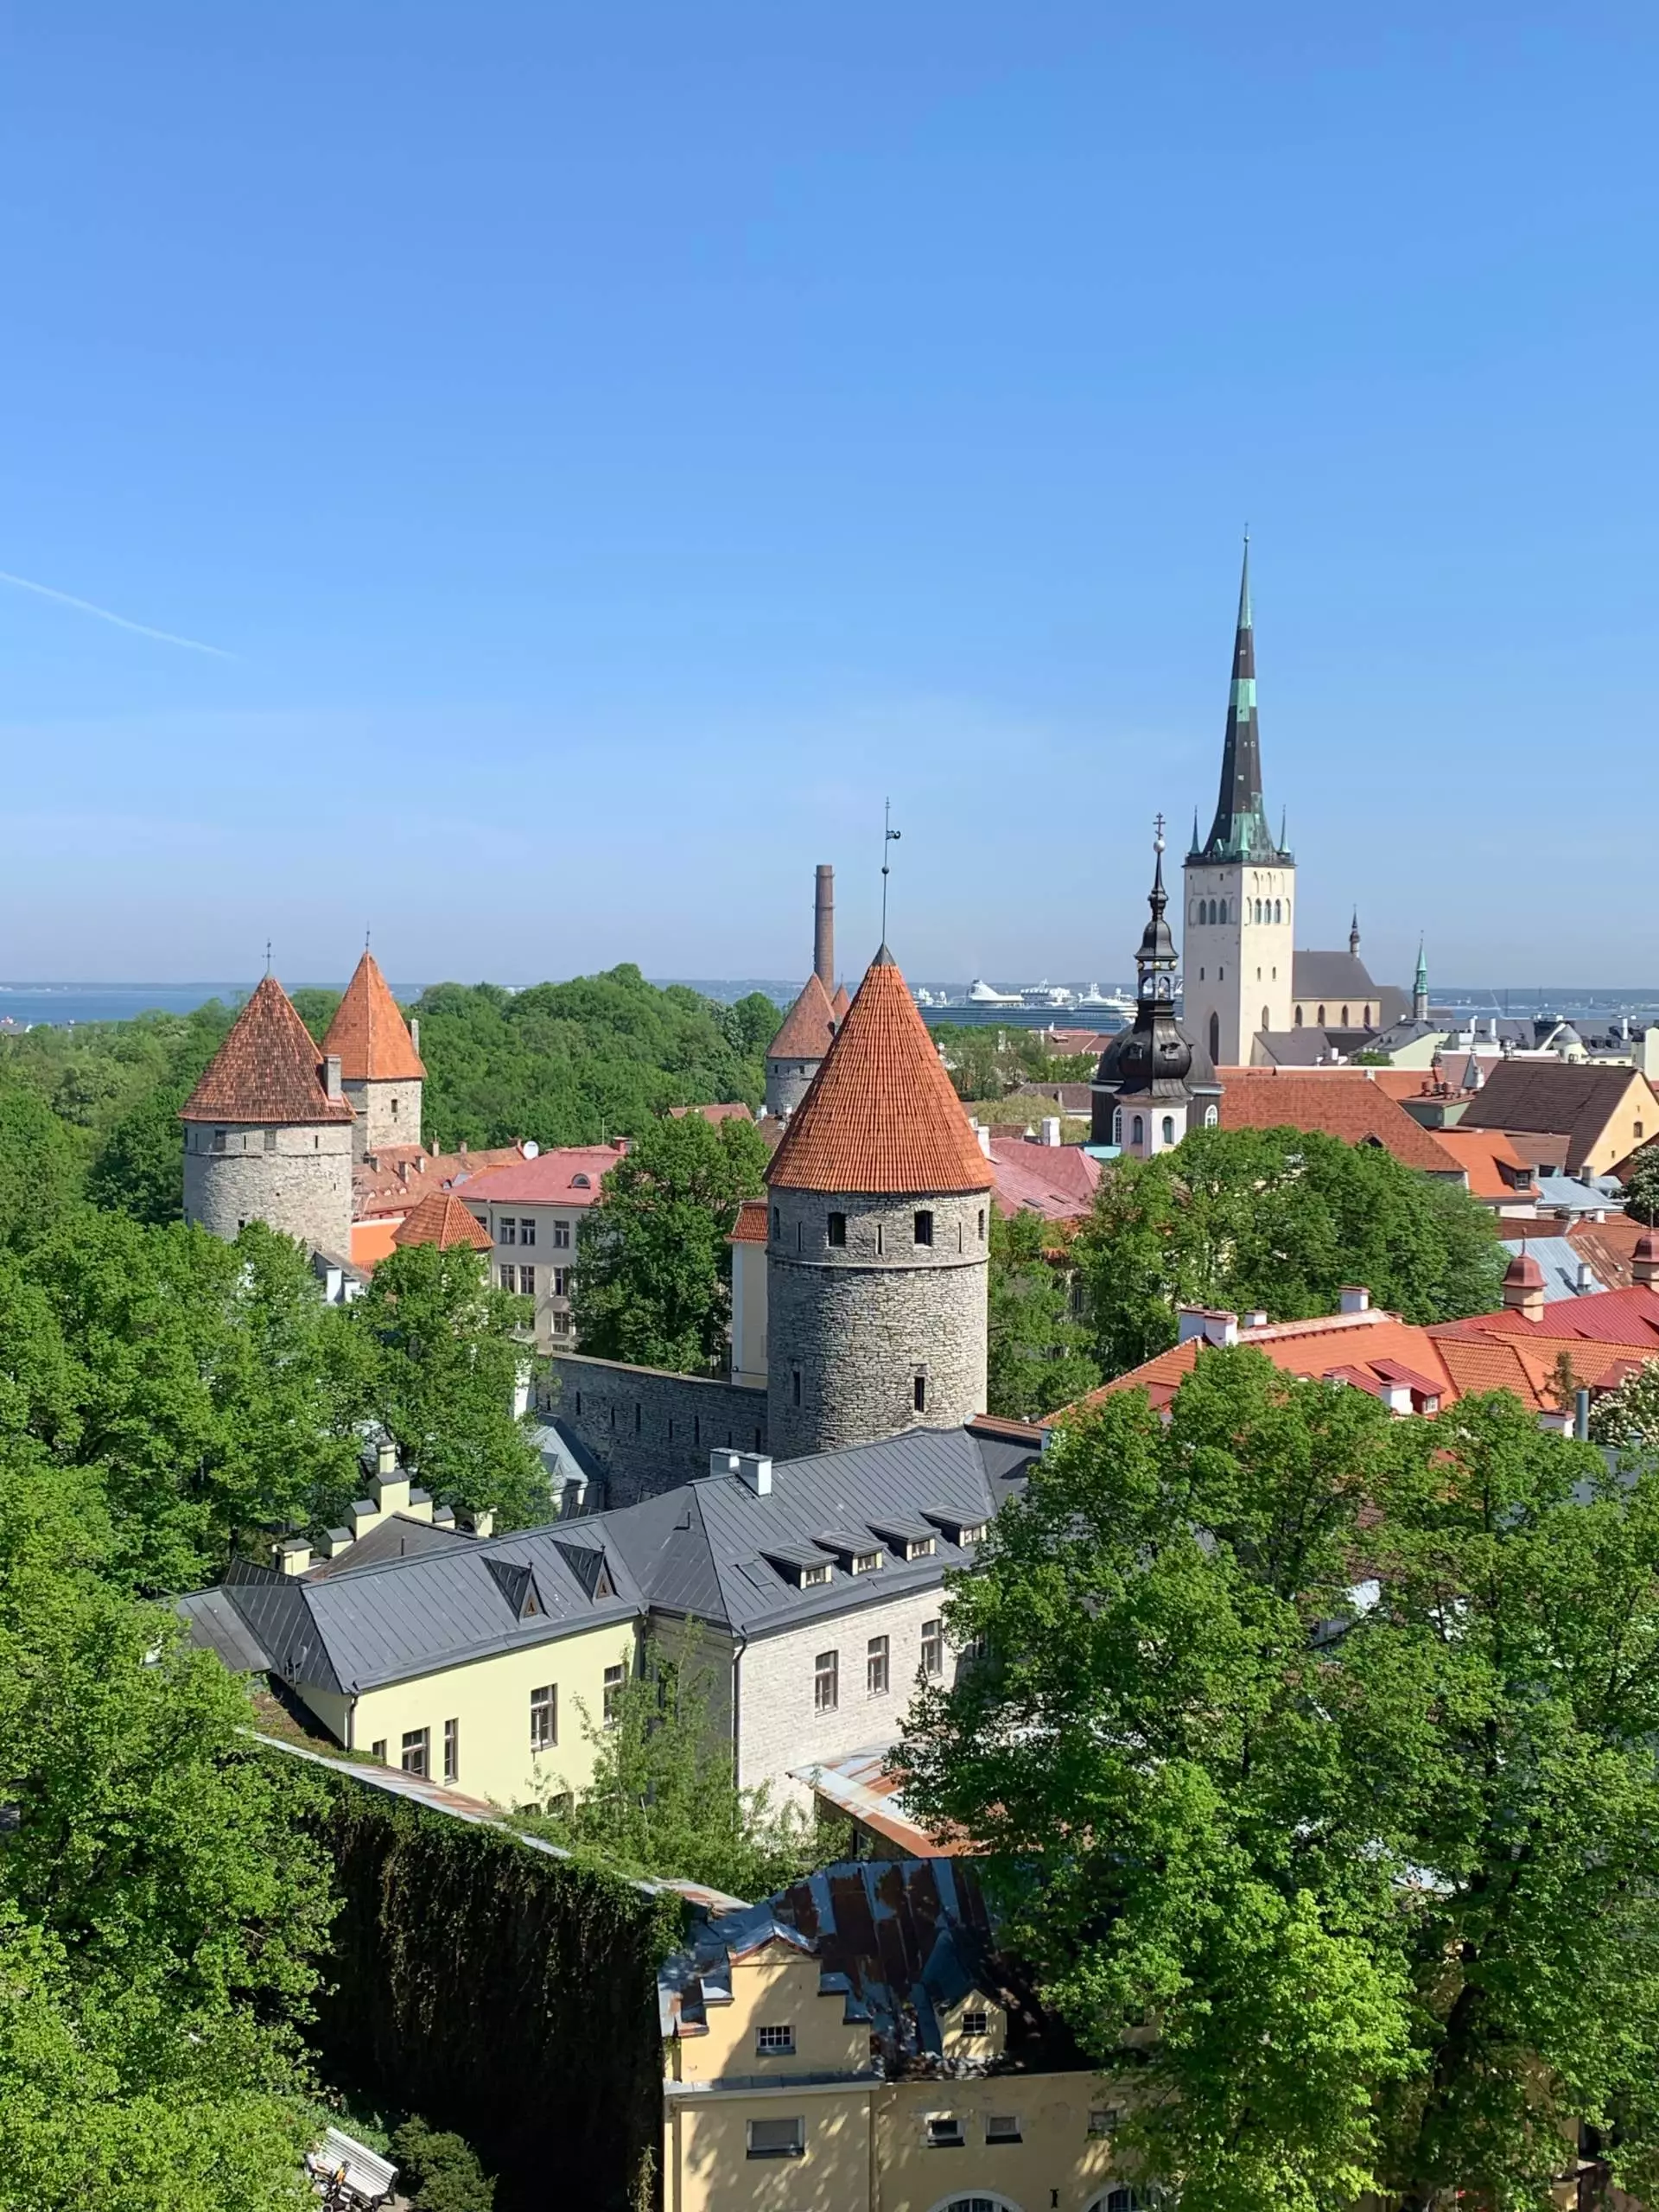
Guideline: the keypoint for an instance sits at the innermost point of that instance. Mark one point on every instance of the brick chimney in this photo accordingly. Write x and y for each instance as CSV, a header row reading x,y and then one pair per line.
x,y
331,1075
823,927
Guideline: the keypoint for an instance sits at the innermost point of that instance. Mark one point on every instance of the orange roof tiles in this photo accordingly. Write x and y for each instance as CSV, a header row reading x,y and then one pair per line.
x,y
369,1032
441,1219
397,1176
880,1114
1343,1103
839,1004
1483,1154
371,1241
268,1069
750,1227
807,1027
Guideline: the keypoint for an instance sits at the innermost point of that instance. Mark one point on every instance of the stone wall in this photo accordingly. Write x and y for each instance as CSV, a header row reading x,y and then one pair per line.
x,y
387,1113
851,1328
295,1177
786,1083
649,1429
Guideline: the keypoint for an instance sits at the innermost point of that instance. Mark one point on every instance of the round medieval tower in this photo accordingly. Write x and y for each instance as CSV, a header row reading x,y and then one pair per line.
x,y
380,1066
268,1132
879,1218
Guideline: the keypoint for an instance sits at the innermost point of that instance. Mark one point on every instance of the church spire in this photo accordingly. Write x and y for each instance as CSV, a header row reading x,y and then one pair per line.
x,y
1240,829
1419,988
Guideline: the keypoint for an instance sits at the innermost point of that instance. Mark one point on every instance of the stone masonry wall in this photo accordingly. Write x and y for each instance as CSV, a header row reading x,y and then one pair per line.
x,y
376,1123
786,1084
302,1185
858,1323
649,1429
780,1726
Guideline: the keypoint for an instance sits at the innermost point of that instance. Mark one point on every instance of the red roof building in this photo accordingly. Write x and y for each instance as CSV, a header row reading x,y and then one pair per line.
x,y
880,1116
268,1069
1343,1103
1056,1180
441,1219
369,1032
566,1175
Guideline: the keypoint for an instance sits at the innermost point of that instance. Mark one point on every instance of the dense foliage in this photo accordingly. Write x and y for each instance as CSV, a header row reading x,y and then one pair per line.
x,y
160,1917
1628,1413
1352,1880
1642,1185
663,1801
439,2171
652,1282
986,1061
1278,1220
1038,1350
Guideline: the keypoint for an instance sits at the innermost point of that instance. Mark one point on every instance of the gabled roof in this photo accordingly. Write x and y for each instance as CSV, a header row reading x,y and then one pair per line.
x,y
369,1032
568,1175
441,1219
880,1114
807,1027
750,1227
1629,1318
1056,1180
268,1069
839,1004
1488,1159
1331,976
1343,1103
1563,1097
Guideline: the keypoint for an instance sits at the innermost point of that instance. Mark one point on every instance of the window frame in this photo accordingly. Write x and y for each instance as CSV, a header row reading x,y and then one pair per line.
x,y
826,1681
783,2040
417,1746
878,1666
611,1693
544,1718
452,1750
932,1660
797,2149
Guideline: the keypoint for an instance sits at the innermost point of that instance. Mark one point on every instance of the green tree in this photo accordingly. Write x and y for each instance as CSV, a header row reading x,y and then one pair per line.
x,y
1642,1185
652,1281
1373,1863
446,1356
1278,1219
139,1168
1628,1413
751,1024
42,1163
663,1801
440,2171
1037,1353
316,1008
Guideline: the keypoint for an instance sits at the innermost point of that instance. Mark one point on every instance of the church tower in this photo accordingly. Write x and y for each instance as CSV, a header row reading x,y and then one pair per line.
x,y
1150,1087
380,1063
1241,888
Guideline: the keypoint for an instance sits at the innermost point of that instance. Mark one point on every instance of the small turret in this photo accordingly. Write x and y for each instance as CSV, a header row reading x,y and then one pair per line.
x,y
1419,988
379,1065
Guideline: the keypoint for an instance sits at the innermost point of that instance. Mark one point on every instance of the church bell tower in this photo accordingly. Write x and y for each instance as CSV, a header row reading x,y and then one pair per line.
x,y
1241,888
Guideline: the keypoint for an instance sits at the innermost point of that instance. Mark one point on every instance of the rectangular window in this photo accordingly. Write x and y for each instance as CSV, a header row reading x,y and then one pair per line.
x,y
795,1384
561,1237
526,1231
944,2131
1002,2127
836,1229
981,1224
270,1140
564,1324
924,1227
813,1576
932,1648
417,1744
826,1681
975,2023
920,1547
509,1276
544,1718
1103,2120
775,2042
875,1667
561,1282
378,1750
866,1562
451,1749
614,1679
776,1216
219,1140
527,1282
970,1533
919,1392
776,2138
507,1230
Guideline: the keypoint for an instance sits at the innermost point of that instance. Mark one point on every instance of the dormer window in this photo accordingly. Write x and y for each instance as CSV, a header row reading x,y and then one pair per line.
x,y
972,1533
866,1562
814,1578
920,1547
581,1182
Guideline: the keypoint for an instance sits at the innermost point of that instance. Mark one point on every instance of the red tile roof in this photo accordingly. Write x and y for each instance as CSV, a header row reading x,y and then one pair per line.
x,y
268,1069
1623,1317
1342,1102
839,1004
441,1219
369,1032
1555,1097
398,1176
807,1027
880,1114
750,1227
569,1175
1055,1180
372,1241
1483,1154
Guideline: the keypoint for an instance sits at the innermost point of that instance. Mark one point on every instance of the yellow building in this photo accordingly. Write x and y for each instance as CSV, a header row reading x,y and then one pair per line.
x,y
466,1658
853,2045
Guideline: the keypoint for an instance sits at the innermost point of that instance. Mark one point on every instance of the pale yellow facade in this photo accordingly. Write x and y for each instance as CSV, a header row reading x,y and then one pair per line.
x,y
472,1724
1023,2142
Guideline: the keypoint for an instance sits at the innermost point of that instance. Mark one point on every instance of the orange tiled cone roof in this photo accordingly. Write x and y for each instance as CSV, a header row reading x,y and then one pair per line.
x,y
441,1219
807,1025
268,1069
369,1034
881,1115
839,1004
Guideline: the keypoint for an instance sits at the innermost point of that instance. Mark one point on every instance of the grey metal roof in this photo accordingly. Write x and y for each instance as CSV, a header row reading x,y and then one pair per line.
x,y
398,1536
410,1615
1330,975
708,1549
1560,1261
1581,1193
216,1625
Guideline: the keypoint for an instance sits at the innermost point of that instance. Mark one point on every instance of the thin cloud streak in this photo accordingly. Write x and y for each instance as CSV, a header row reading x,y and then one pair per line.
x,y
121,621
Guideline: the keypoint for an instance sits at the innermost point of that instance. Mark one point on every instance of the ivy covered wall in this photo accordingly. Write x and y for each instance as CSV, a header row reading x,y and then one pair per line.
x,y
502,1993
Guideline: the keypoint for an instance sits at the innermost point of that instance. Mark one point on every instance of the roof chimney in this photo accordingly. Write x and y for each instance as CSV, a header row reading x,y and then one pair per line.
x,y
823,927
1214,1323
385,1459
1353,1298
293,1554
331,1075
1051,1126
753,1469
414,1032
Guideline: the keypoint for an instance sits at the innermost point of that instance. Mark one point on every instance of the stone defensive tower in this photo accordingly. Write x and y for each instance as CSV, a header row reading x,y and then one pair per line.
x,y
268,1132
796,1053
379,1062
878,1211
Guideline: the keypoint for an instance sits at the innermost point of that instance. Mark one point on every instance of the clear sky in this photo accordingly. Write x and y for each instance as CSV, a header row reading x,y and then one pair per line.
x,y
610,449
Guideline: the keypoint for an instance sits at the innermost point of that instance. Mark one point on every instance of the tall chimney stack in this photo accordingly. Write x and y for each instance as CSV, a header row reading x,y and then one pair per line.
x,y
823,928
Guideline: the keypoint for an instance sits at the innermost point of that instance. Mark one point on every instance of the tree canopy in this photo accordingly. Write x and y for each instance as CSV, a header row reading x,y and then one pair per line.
x,y
652,1281
1314,1752
1038,1353
1642,1185
1278,1220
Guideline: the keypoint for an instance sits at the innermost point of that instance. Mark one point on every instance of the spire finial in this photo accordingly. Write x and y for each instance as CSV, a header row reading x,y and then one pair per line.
x,y
368,935
267,956
889,837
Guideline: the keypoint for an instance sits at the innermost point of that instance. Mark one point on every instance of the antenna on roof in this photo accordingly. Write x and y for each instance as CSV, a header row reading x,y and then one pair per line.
x,y
889,837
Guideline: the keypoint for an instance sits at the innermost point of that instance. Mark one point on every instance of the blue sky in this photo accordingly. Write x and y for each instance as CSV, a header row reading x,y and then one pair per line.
x,y
612,448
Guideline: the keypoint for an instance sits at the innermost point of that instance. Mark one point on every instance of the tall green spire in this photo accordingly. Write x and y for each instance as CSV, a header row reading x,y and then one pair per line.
x,y
1419,988
1240,829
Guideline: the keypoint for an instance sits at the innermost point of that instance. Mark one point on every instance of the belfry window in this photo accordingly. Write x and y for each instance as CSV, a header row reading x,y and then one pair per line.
x,y
1137,1131
1117,1126
1169,1128
1344,1018
1321,1017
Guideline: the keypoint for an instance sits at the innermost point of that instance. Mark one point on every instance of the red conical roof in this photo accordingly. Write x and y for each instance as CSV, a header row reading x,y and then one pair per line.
x,y
369,1032
268,1069
880,1114
441,1219
839,1004
1524,1272
807,1025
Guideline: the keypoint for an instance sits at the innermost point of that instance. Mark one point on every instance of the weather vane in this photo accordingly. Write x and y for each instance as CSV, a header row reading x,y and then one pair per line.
x,y
267,956
889,837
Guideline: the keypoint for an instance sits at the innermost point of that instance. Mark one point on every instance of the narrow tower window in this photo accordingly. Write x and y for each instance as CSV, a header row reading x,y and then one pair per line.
x,y
1169,1128
919,1392
1137,1131
1215,1038
835,1230
924,1227
795,1384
